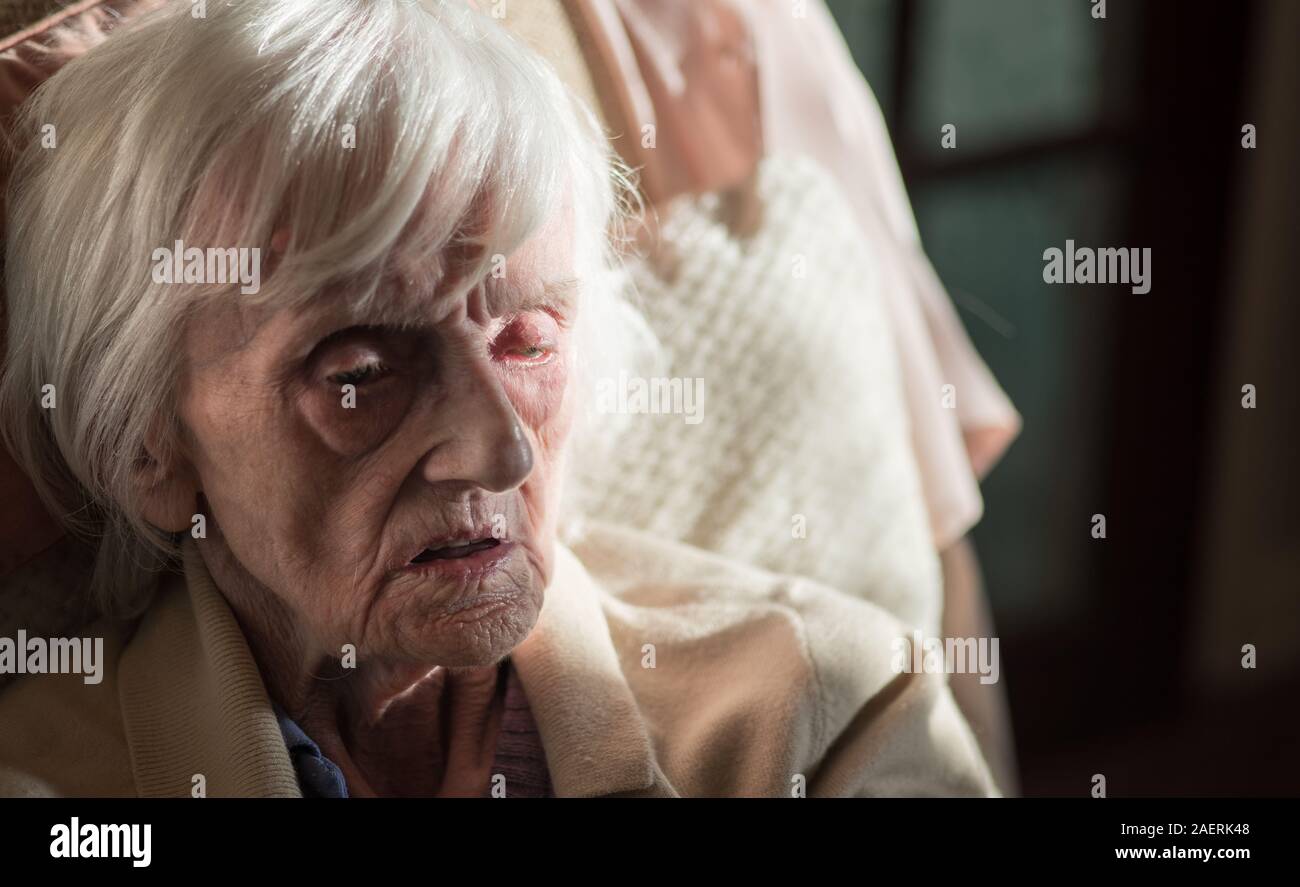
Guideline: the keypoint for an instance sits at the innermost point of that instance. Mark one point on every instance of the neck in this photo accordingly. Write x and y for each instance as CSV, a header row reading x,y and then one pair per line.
x,y
393,729
433,737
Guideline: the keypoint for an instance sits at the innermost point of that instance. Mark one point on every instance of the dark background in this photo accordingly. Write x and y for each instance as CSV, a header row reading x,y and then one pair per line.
x,y
1123,656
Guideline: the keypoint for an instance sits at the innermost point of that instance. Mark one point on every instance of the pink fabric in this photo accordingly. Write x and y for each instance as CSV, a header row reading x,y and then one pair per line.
x,y
696,65
812,100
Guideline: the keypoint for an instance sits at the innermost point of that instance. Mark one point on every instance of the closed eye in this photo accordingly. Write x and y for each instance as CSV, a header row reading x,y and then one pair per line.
x,y
367,371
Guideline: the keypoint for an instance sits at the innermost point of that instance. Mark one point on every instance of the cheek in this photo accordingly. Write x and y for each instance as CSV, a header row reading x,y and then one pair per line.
x,y
220,422
538,396
251,492
538,391
271,463
543,402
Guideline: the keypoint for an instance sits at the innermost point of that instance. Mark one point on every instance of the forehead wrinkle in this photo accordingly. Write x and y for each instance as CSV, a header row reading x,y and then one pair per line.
x,y
400,306
400,301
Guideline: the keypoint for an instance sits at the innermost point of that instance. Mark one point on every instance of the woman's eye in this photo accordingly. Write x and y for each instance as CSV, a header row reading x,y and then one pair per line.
x,y
531,352
527,339
360,374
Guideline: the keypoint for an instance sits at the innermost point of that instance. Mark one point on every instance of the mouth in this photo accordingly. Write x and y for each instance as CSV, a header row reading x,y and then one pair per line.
x,y
455,551
460,557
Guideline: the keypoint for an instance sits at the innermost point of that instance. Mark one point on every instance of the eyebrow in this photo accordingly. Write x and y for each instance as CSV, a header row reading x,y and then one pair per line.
x,y
560,295
557,296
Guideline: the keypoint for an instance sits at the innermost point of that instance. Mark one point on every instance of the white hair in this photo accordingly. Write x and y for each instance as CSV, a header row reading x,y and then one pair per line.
x,y
223,131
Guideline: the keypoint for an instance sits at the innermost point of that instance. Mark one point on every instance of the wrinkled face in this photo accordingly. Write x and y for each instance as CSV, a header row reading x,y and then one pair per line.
x,y
411,515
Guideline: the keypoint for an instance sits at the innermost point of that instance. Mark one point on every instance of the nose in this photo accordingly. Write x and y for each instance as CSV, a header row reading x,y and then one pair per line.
x,y
484,445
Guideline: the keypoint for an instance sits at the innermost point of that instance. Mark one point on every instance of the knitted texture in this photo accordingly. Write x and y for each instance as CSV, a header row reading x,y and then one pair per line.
x,y
801,461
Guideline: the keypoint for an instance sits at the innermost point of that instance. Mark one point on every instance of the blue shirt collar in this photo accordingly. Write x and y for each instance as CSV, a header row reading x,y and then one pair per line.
x,y
318,776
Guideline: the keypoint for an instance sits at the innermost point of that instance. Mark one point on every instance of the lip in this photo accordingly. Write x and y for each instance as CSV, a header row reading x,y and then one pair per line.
x,y
477,563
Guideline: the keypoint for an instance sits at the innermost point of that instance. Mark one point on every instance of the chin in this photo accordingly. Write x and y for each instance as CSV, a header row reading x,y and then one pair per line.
x,y
468,620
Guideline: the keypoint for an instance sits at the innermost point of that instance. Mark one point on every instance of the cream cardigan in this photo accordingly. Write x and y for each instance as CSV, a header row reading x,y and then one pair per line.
x,y
761,685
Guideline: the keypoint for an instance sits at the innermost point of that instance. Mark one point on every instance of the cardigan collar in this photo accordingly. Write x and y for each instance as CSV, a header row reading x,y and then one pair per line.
x,y
591,727
196,710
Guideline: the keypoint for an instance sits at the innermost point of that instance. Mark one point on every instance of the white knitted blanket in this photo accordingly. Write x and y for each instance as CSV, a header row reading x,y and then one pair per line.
x,y
797,458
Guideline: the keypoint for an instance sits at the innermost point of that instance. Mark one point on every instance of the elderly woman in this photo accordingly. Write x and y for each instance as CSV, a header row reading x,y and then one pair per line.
x,y
301,297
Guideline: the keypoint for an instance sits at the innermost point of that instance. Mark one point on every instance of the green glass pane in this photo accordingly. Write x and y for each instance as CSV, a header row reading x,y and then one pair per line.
x,y
1004,70
868,28
1048,347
